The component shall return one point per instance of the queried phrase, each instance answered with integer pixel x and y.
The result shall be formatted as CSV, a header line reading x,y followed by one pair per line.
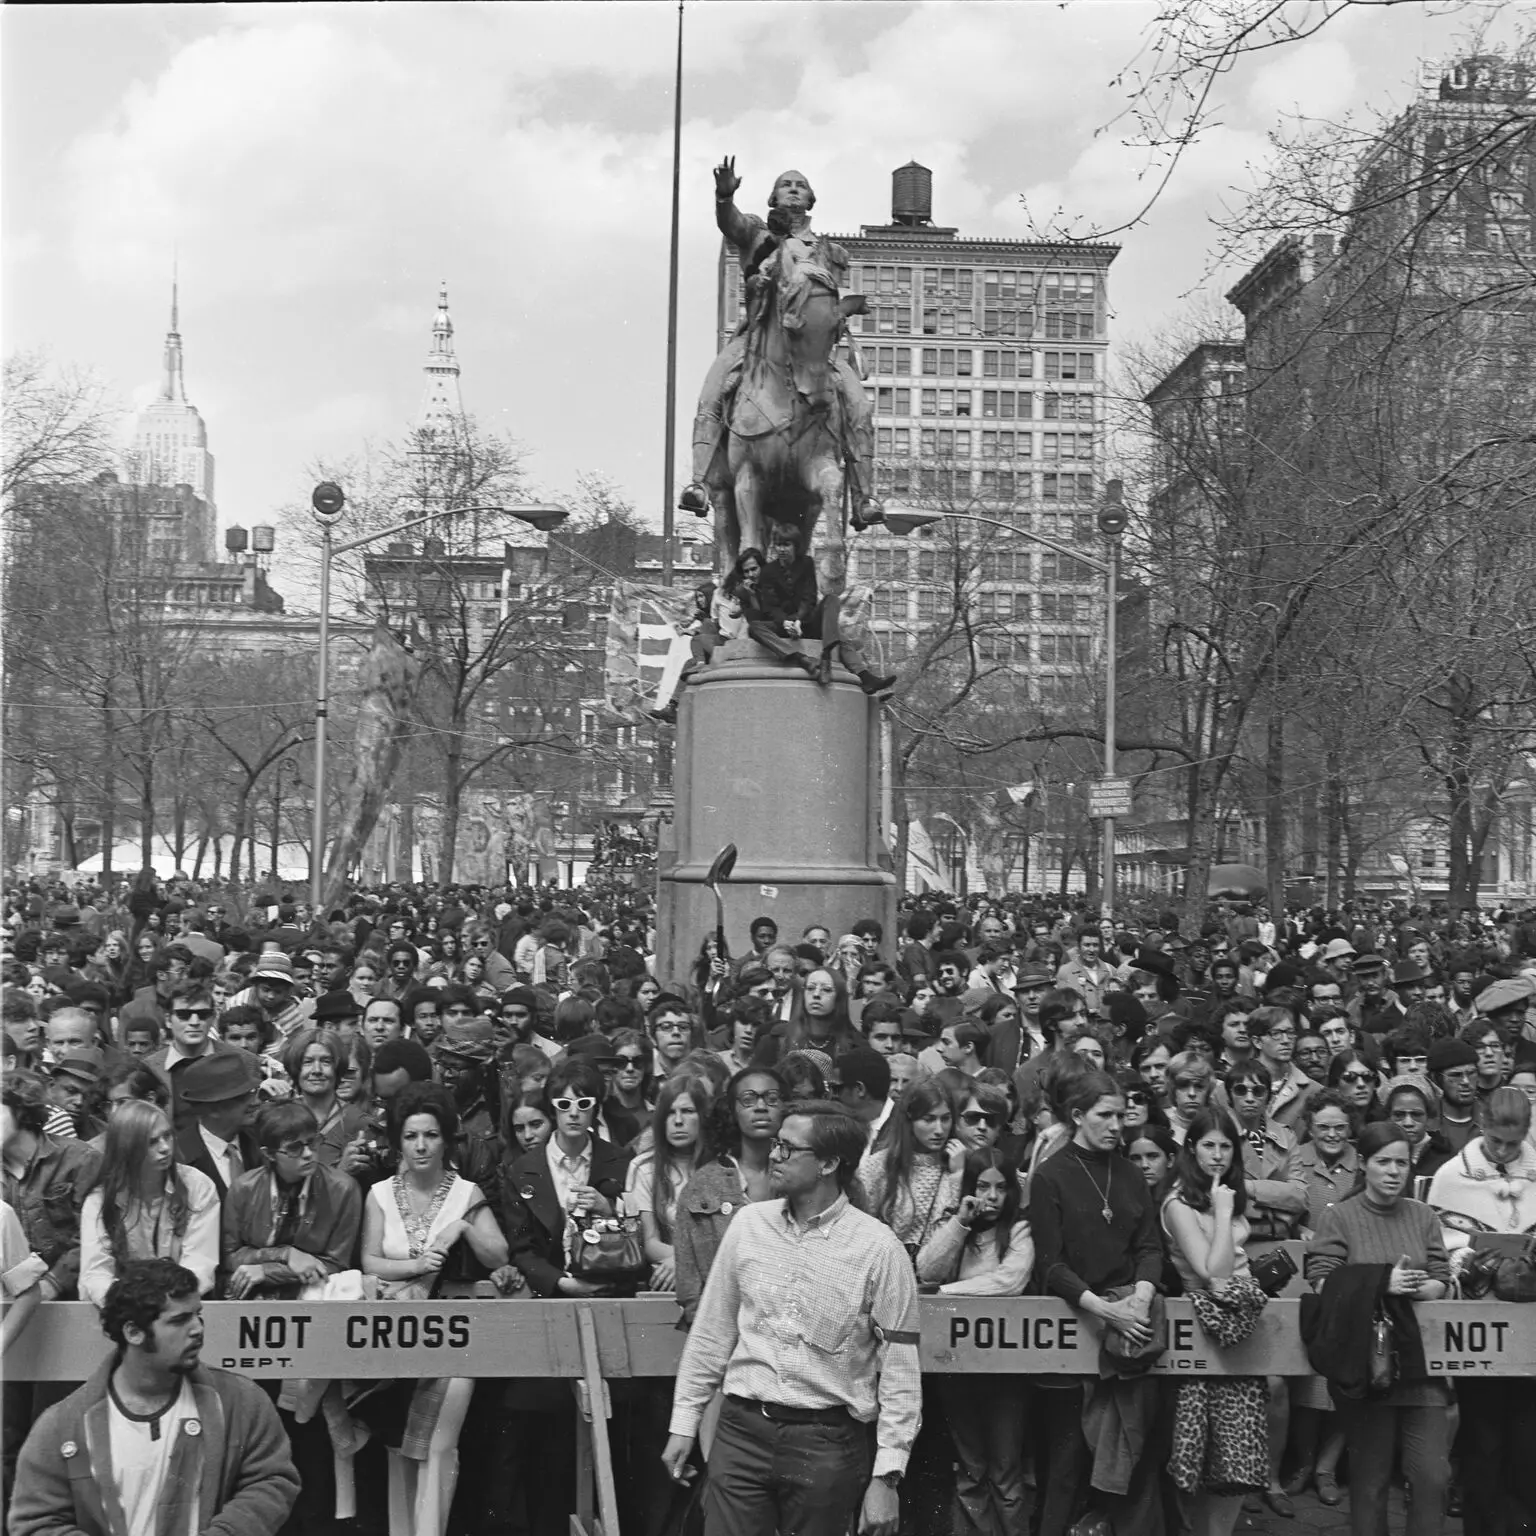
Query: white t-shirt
x,y
141,1457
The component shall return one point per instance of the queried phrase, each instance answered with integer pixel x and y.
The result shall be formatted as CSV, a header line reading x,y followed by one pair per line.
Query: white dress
x,y
402,1242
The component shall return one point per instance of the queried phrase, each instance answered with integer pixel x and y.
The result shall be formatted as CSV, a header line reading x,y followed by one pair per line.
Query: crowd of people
x,y
469,1092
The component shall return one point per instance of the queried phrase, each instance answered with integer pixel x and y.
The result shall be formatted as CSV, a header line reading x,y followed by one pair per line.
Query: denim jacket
x,y
47,1198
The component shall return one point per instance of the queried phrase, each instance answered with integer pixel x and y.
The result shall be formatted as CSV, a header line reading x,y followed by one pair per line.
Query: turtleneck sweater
x,y
1076,1250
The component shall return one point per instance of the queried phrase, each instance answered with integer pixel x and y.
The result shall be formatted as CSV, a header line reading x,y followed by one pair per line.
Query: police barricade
x,y
593,1342
525,1338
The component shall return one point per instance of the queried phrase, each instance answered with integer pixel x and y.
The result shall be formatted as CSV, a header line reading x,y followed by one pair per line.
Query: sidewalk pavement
x,y
1314,1518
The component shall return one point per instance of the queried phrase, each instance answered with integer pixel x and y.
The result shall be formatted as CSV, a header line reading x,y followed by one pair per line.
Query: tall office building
x,y
985,363
170,448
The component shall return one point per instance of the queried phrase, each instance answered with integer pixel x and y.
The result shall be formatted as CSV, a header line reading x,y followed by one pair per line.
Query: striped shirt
x,y
789,1314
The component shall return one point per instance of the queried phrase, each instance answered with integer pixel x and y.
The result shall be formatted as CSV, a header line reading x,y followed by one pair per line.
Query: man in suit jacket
x,y
220,1094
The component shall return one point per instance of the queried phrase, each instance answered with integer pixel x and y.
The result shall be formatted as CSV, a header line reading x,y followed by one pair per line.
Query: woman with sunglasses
x,y
1141,1106
1377,1225
745,1120
984,1249
1190,1081
576,1175
657,1175
631,1089
1353,1076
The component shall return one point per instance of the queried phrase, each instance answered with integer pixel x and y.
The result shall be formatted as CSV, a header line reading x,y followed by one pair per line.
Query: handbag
x,y
1383,1372
608,1249
1273,1270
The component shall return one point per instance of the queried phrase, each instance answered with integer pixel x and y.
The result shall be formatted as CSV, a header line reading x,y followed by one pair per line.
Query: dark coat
x,y
535,1223
791,594
192,1150
1336,1327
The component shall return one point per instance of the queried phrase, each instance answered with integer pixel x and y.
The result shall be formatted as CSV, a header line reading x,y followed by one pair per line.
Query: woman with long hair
x,y
709,979
1203,1219
112,965
1098,1248
1153,1150
984,1249
679,1146
411,1222
819,1021
913,1182
1378,1225
144,1205
144,965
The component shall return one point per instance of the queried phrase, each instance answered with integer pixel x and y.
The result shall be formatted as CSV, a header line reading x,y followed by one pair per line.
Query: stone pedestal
x,y
789,771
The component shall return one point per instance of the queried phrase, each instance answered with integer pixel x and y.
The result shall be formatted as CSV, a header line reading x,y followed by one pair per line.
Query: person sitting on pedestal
x,y
780,604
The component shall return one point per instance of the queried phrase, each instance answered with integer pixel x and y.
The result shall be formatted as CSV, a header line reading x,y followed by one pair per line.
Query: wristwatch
x,y
890,1479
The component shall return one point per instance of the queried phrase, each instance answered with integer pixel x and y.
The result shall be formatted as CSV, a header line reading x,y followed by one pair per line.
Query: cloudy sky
x,y
319,170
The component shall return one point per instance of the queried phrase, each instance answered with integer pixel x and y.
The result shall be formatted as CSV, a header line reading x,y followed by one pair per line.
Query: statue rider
x,y
769,252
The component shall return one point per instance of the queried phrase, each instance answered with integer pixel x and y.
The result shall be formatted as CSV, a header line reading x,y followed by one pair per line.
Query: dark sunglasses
x,y
1137,1098
192,1013
980,1117
1355,1077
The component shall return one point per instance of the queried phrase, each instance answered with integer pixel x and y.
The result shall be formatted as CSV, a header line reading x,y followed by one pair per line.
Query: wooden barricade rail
x,y
517,1337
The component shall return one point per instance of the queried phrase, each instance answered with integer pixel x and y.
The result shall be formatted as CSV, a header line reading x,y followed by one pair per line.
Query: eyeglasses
x,y
628,1062
1355,1077
298,1148
1459,1074
979,1117
1137,1098
1248,1091
781,1151
568,1106
481,944
1282,1034
192,1013
751,1099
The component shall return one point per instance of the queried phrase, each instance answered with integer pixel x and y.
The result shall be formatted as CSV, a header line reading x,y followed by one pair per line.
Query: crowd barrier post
x,y
594,1452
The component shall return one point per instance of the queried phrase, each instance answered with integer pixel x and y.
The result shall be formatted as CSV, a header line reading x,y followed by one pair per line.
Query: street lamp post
x,y
1112,521
328,500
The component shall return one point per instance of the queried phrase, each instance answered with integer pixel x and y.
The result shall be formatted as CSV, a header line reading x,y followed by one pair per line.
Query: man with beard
x,y
161,1441
1453,1071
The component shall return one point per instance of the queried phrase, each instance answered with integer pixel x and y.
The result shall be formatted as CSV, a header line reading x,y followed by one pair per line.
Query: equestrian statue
x,y
783,433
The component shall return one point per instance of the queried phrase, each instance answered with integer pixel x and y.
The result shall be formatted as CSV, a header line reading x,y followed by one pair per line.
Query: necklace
x,y
1103,1194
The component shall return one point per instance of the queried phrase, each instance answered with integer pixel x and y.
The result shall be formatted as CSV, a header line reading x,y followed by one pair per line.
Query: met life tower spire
x,y
441,405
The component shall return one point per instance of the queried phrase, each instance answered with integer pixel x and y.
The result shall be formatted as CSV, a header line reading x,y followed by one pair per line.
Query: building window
x,y
930,361
930,322
903,440
962,402
903,402
930,402
963,445
946,402
947,363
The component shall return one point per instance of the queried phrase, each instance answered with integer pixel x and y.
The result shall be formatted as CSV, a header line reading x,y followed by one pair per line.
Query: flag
x,y
647,645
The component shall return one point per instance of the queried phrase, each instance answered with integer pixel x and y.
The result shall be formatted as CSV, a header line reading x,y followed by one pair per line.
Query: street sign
x,y
1109,797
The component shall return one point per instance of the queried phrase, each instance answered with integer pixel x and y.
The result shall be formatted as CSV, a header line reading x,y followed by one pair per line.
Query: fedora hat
x,y
223,1075
336,1005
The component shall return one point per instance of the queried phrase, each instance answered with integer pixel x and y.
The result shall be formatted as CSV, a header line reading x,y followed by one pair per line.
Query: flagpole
x,y
668,510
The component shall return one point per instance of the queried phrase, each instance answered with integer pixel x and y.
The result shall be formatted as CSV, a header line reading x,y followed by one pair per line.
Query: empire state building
x,y
170,446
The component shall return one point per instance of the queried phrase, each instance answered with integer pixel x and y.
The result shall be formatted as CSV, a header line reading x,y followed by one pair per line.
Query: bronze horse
x,y
785,427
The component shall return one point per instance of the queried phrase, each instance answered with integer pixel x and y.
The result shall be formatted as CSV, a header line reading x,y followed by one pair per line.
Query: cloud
x,y
1316,79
